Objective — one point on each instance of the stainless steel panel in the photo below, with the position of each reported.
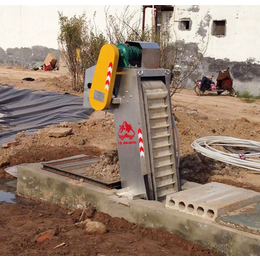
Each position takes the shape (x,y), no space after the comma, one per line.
(150,54)
(129,117)
(150,58)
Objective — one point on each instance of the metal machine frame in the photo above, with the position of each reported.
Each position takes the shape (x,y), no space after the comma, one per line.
(143,120)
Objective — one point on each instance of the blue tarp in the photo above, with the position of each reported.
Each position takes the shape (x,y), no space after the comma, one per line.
(30,110)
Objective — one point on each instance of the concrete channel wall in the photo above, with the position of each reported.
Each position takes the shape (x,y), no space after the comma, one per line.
(34,182)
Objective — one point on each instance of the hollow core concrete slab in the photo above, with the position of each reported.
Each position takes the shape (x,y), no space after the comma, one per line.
(211,200)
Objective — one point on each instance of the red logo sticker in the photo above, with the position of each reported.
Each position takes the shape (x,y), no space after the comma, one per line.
(126,131)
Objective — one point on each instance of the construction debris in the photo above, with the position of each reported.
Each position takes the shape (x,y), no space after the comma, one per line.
(59,132)
(49,62)
(95,227)
(62,244)
(45,235)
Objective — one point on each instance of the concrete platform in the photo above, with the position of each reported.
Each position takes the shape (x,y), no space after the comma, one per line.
(34,182)
(211,200)
(245,219)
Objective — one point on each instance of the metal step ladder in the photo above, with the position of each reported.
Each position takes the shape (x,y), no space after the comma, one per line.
(161,138)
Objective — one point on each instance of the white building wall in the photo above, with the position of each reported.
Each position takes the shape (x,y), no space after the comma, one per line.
(242,30)
(31,25)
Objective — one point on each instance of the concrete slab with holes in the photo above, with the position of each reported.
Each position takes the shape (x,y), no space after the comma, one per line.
(211,200)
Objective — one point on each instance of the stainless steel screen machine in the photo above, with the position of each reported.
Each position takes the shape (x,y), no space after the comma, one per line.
(127,79)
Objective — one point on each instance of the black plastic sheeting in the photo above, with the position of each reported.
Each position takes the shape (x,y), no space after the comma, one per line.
(30,111)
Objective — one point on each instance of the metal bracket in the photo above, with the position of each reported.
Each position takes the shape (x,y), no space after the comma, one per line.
(116,101)
(126,193)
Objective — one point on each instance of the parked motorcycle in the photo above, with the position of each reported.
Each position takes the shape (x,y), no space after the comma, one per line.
(224,83)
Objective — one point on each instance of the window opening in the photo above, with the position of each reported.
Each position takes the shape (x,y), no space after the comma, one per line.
(219,28)
(185,24)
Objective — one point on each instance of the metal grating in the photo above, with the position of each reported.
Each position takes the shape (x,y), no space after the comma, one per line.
(76,168)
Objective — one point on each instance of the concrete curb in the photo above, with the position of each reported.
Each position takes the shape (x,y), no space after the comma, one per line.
(33,182)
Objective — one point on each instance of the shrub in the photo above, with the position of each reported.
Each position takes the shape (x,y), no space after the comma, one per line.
(80,44)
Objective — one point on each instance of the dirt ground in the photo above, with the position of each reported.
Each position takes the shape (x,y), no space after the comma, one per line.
(196,116)
(39,228)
